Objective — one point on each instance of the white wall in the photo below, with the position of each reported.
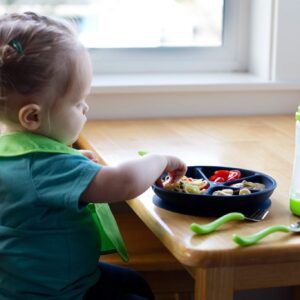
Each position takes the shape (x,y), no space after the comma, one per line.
(287,42)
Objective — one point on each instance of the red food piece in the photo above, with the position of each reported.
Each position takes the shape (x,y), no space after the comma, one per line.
(205,186)
(220,179)
(225,175)
(234,174)
(222,173)
(219,175)
(212,177)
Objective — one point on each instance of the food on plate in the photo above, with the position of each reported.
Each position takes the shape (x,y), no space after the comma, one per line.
(187,185)
(231,192)
(225,175)
(250,185)
(244,191)
(224,192)
(199,186)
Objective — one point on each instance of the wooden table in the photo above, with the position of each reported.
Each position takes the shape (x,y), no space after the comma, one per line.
(262,143)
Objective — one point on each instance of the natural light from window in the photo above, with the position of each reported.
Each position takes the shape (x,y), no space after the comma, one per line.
(135,23)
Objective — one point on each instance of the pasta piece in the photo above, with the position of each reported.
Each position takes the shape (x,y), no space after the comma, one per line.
(224,192)
(250,185)
(244,191)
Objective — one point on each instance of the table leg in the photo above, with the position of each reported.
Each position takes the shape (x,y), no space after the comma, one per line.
(214,284)
(295,292)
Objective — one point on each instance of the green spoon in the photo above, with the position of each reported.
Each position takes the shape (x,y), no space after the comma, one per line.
(211,227)
(253,239)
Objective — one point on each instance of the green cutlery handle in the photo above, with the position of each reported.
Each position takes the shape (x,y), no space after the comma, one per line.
(211,227)
(253,239)
(142,152)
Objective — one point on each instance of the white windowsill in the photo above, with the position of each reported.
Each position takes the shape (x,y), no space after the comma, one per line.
(140,95)
(184,82)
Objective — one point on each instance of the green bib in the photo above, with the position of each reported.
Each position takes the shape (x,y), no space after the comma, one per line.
(20,143)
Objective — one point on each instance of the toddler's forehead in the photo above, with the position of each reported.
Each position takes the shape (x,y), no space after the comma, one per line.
(82,73)
(80,77)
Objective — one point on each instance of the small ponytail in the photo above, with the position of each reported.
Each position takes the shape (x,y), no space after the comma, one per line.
(11,51)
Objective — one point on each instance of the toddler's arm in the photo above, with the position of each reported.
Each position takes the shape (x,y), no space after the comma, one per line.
(131,178)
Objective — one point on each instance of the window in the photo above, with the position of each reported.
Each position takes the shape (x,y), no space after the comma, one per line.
(133,36)
(153,23)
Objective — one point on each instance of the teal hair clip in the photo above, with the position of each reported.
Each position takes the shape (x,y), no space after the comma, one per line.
(17,46)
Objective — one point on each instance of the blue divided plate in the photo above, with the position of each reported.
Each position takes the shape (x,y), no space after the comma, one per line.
(208,205)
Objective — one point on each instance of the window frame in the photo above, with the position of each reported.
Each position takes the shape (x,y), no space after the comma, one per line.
(230,57)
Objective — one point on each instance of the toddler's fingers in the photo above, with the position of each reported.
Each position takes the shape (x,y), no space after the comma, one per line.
(176,175)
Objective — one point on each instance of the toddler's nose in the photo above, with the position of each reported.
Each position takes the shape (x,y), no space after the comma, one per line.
(85,108)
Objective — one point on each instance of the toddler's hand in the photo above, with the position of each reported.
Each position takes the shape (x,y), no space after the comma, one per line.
(176,168)
(90,155)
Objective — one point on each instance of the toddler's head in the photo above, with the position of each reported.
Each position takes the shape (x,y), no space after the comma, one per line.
(45,75)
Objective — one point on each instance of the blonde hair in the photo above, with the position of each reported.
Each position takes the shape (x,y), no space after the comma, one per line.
(37,56)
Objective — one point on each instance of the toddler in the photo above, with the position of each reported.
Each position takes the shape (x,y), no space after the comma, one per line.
(50,239)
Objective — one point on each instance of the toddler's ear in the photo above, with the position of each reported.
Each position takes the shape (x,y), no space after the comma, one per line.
(30,116)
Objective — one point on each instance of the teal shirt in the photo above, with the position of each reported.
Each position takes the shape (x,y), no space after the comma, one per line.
(49,244)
